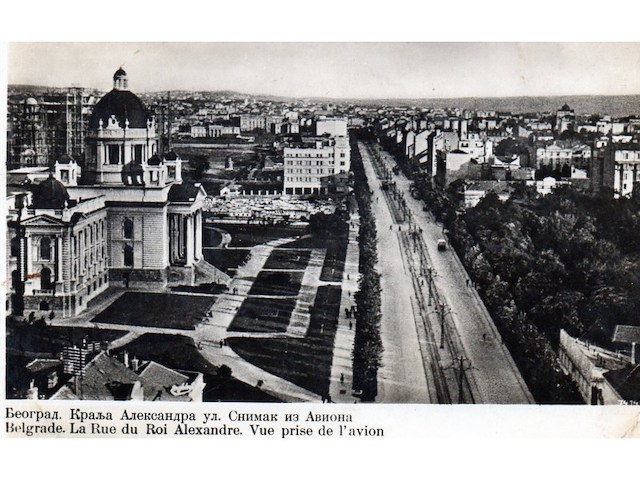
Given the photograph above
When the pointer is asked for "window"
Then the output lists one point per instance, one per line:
(127, 229)
(45, 279)
(15, 246)
(128, 255)
(137, 153)
(113, 154)
(45, 249)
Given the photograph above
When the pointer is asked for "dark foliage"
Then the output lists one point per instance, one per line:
(564, 261)
(368, 348)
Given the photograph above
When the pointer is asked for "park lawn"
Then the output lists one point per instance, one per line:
(42, 340)
(156, 310)
(263, 315)
(180, 353)
(226, 259)
(277, 283)
(288, 259)
(333, 267)
(251, 235)
(306, 361)
(211, 237)
(336, 246)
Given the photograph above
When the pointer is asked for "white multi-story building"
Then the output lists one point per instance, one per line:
(557, 156)
(626, 171)
(476, 146)
(311, 164)
(334, 127)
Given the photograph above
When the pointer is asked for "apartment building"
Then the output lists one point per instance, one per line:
(311, 164)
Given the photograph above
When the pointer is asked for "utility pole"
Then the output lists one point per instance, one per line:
(442, 314)
(461, 369)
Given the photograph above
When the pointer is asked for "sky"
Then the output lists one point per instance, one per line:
(338, 70)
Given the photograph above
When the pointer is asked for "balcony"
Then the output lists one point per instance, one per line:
(43, 292)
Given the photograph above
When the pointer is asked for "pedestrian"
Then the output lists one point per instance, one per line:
(342, 378)
(390, 227)
(484, 337)
(348, 277)
(350, 325)
(221, 343)
(467, 282)
(346, 312)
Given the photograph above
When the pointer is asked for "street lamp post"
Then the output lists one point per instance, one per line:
(442, 313)
(430, 291)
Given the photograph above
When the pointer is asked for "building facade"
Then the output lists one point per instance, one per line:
(126, 217)
(311, 164)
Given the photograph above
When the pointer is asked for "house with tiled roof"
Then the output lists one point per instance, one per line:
(107, 378)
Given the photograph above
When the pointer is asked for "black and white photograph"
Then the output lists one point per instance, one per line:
(392, 223)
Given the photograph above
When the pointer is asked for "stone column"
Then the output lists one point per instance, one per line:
(27, 265)
(30, 254)
(126, 153)
(101, 155)
(198, 236)
(59, 259)
(190, 240)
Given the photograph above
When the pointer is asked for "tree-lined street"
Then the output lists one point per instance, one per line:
(473, 348)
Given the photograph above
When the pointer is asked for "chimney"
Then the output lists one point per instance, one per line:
(126, 359)
(135, 364)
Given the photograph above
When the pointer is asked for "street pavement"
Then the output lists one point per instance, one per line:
(402, 377)
(494, 373)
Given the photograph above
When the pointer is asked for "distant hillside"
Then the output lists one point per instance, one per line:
(615, 105)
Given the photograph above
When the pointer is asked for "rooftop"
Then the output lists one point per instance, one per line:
(626, 334)
(626, 382)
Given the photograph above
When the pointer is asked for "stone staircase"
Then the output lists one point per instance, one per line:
(207, 273)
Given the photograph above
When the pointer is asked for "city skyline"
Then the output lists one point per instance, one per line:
(338, 70)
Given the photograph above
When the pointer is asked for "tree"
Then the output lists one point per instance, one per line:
(224, 372)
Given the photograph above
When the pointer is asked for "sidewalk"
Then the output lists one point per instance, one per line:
(300, 316)
(342, 364)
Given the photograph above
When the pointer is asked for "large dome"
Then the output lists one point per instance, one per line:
(124, 105)
(50, 193)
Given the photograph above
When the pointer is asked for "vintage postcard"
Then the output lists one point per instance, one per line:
(298, 240)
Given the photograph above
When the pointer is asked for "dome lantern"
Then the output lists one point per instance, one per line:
(121, 105)
(120, 80)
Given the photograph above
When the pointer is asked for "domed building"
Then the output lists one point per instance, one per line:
(121, 134)
(50, 194)
(126, 220)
